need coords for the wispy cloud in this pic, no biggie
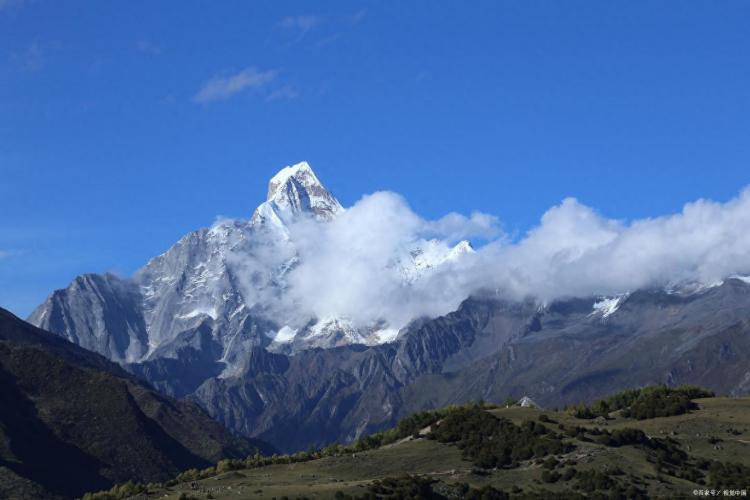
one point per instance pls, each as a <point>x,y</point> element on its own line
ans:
<point>357,17</point>
<point>148,47</point>
<point>299,25</point>
<point>6,4</point>
<point>224,87</point>
<point>287,92</point>
<point>4,254</point>
<point>352,265</point>
<point>32,58</point>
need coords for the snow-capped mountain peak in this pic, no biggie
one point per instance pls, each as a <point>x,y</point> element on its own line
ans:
<point>227,286</point>
<point>462,247</point>
<point>293,191</point>
<point>301,172</point>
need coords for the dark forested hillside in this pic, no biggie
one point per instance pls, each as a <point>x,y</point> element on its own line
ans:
<point>71,421</point>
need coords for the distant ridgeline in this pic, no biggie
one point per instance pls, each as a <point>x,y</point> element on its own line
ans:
<point>509,451</point>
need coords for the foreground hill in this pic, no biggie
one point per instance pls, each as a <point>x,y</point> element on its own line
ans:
<point>72,421</point>
<point>489,452</point>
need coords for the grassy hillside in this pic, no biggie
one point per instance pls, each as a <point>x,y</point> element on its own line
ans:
<point>489,452</point>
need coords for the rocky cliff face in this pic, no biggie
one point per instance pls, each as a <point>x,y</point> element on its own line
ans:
<point>565,352</point>
<point>98,312</point>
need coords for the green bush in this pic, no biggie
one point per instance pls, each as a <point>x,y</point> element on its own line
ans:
<point>490,442</point>
<point>649,402</point>
<point>120,491</point>
<point>550,476</point>
<point>568,474</point>
<point>728,475</point>
<point>416,487</point>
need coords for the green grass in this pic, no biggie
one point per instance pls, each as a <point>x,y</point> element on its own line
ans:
<point>718,430</point>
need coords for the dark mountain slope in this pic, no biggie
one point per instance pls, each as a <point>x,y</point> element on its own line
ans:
<point>491,349</point>
<point>71,421</point>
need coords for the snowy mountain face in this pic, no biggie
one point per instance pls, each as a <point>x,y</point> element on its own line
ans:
<point>294,191</point>
<point>224,284</point>
<point>429,256</point>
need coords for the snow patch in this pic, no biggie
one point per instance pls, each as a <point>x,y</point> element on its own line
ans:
<point>285,334</point>
<point>211,312</point>
<point>686,289</point>
<point>607,306</point>
<point>386,335</point>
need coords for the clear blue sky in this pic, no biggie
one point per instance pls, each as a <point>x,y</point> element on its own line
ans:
<point>124,125</point>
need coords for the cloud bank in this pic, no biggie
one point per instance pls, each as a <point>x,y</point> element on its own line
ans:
<point>353,266</point>
<point>576,252</point>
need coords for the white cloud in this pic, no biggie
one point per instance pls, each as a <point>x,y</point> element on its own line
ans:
<point>299,25</point>
<point>458,227</point>
<point>286,92</point>
<point>223,87</point>
<point>350,266</point>
<point>577,252</point>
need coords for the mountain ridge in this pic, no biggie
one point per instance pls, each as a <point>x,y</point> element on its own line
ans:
<point>209,320</point>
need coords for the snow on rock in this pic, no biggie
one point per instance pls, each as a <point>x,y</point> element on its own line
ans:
<point>607,306</point>
<point>293,191</point>
<point>386,335</point>
<point>285,334</point>
<point>463,247</point>
<point>527,402</point>
<point>210,312</point>
<point>427,256</point>
<point>687,288</point>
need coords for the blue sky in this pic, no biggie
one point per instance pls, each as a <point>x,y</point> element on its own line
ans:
<point>125,125</point>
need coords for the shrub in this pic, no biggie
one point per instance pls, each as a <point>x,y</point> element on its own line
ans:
<point>550,476</point>
<point>729,475</point>
<point>649,402</point>
<point>568,474</point>
<point>490,442</point>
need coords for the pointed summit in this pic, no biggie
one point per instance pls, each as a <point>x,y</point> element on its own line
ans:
<point>463,247</point>
<point>296,190</point>
<point>300,172</point>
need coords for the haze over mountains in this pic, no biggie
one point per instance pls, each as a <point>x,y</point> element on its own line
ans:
<point>310,323</point>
